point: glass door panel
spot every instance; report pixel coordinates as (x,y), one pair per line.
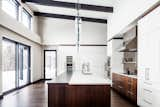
(23,74)
(8,65)
(50,64)
(15,65)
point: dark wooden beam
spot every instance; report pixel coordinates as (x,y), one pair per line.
(69,17)
(115,38)
(71,5)
(1,97)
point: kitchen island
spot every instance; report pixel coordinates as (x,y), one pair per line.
(79,90)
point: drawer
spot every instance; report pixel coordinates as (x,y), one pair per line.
(147,104)
(147,86)
(133,98)
(147,96)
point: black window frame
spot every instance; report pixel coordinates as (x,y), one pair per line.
(17,4)
(29,17)
(17,8)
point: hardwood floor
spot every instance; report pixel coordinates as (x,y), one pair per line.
(36,96)
(118,101)
(32,96)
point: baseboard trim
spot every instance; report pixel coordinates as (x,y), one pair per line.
(37,81)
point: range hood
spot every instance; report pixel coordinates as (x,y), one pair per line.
(129,46)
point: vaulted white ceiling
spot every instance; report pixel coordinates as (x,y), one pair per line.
(71,11)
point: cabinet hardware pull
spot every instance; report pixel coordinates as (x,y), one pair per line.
(129,83)
(120,87)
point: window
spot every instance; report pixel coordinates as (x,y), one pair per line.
(15,65)
(26,19)
(11,7)
(8,65)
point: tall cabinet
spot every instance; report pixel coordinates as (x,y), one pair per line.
(149,60)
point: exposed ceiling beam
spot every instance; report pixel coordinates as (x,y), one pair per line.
(69,17)
(71,5)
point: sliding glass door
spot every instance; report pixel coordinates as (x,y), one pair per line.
(8,65)
(23,74)
(15,65)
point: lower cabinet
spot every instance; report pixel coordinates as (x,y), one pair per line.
(87,96)
(65,95)
(56,95)
(126,86)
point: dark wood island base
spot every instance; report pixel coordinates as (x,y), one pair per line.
(65,95)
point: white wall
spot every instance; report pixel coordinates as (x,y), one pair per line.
(62,52)
(116,56)
(15,26)
(93,33)
(125,12)
(95,55)
(61,31)
(56,32)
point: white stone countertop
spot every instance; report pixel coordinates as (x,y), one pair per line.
(131,76)
(88,79)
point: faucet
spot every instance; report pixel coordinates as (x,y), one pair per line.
(86,68)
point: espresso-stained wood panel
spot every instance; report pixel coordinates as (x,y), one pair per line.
(88,96)
(64,95)
(56,95)
(125,86)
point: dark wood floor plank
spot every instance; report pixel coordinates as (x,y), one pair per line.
(36,96)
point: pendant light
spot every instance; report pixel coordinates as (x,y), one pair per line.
(78,25)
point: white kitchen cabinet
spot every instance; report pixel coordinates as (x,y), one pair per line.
(149,59)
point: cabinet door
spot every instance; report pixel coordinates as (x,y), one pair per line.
(122,84)
(114,81)
(82,96)
(134,86)
(133,90)
(56,95)
(126,86)
(119,84)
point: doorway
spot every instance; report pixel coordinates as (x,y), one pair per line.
(15,65)
(50,64)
